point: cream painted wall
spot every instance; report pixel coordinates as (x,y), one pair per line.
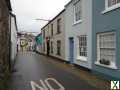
(56,36)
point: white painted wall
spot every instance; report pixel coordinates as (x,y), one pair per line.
(60,37)
(13,38)
(85,27)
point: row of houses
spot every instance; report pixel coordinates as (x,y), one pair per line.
(8,40)
(26,42)
(86,33)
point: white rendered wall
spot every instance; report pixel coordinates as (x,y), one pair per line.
(13,39)
(82,28)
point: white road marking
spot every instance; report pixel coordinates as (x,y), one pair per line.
(55,81)
(43,84)
(35,85)
(46,84)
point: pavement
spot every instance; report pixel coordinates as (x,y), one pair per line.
(39,72)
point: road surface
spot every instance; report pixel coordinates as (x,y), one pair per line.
(36,72)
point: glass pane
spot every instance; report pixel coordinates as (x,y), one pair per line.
(107,46)
(82,45)
(113,2)
(77,11)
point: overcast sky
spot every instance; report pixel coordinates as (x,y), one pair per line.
(28,10)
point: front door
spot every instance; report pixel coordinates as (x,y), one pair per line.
(48,48)
(71,50)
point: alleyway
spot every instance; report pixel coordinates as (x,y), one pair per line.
(33,67)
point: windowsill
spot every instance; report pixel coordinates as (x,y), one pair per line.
(112,66)
(77,22)
(111,8)
(81,58)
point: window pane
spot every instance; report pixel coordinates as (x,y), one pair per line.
(113,2)
(77,7)
(83,45)
(58,47)
(51,47)
(106,46)
(59,25)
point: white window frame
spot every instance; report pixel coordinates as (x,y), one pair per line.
(51,50)
(76,22)
(58,48)
(81,58)
(52,29)
(107,8)
(112,63)
(59,25)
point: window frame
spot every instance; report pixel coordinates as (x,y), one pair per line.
(97,62)
(59,22)
(58,48)
(82,57)
(110,8)
(74,11)
(51,29)
(52,47)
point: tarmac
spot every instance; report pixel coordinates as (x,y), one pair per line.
(39,72)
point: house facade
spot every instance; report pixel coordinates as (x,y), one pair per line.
(38,45)
(13,37)
(31,42)
(54,37)
(26,42)
(106,38)
(78,32)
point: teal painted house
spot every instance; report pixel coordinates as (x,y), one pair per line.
(39,41)
(106,38)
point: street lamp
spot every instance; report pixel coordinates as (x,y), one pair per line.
(42,19)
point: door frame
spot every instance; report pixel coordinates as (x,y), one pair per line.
(71,50)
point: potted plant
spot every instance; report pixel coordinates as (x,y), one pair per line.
(104,61)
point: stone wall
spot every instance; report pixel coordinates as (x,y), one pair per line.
(4,42)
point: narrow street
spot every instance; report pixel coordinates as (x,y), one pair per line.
(34,67)
(59,45)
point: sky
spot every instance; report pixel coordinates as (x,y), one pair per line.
(27,11)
